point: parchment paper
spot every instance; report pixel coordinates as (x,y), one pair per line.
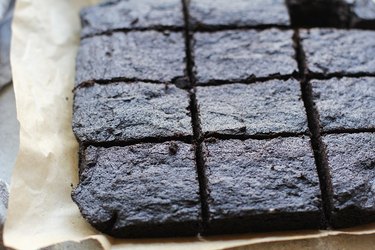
(41,212)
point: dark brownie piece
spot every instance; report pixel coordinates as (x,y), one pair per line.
(148,55)
(351,159)
(130,111)
(238,55)
(239,13)
(261,108)
(144,190)
(346,103)
(130,14)
(362,13)
(332,51)
(258,185)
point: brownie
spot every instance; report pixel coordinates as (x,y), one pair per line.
(258,185)
(239,13)
(272,107)
(332,51)
(144,190)
(240,55)
(351,159)
(131,14)
(346,103)
(362,13)
(147,55)
(130,111)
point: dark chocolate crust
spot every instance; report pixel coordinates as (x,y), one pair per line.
(239,13)
(346,103)
(148,55)
(257,185)
(121,112)
(352,164)
(115,15)
(241,55)
(140,190)
(272,107)
(339,52)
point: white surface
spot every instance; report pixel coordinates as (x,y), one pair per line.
(9,130)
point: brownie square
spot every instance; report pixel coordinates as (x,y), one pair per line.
(346,103)
(351,160)
(130,111)
(272,107)
(258,185)
(362,13)
(144,190)
(332,51)
(242,55)
(147,55)
(239,13)
(131,14)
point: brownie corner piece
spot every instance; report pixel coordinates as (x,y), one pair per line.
(345,103)
(339,52)
(123,111)
(351,159)
(239,55)
(114,15)
(262,108)
(260,185)
(143,190)
(239,13)
(136,55)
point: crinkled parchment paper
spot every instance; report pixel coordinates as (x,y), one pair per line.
(41,212)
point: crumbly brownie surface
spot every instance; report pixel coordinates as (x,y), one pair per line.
(130,111)
(346,103)
(332,51)
(140,190)
(257,185)
(239,55)
(352,164)
(239,13)
(131,14)
(148,55)
(272,107)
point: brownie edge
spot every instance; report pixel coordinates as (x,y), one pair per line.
(351,159)
(262,185)
(144,190)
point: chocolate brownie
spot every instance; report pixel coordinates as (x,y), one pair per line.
(332,51)
(131,14)
(272,107)
(239,13)
(241,55)
(144,190)
(130,111)
(362,13)
(346,103)
(147,55)
(258,185)
(352,164)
